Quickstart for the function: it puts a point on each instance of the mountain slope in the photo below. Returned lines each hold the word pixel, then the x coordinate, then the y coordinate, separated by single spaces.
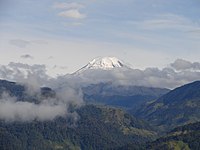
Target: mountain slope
pixel 98 127
pixel 178 107
pixel 184 137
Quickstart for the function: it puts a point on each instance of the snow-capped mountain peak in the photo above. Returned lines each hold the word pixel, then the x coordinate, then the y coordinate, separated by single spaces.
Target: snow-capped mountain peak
pixel 104 63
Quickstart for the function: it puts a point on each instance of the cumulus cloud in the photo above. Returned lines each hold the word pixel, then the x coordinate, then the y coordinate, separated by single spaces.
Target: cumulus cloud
pixel 70 10
pixel 26 56
pixel 72 13
pixel 31 76
pixel 181 64
pixel 20 71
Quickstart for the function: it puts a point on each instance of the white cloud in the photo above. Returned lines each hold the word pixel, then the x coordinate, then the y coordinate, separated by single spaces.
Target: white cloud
pixel 72 13
pixel 12 109
pixel 181 64
pixel 70 10
pixel 26 111
pixel 33 76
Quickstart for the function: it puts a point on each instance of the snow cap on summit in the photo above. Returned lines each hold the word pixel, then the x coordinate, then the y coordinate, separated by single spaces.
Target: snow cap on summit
pixel 104 63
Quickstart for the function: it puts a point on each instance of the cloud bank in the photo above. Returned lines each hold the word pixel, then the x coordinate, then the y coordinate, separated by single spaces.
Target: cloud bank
pixel 176 74
pixel 13 110
pixel 33 77
pixel 181 64
pixel 68 87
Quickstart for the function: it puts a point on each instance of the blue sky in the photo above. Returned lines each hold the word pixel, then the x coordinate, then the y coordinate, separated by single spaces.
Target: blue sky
pixel 67 33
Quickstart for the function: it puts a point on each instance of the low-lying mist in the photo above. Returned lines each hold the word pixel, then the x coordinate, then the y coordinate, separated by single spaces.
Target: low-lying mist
pixel 45 108
pixel 13 109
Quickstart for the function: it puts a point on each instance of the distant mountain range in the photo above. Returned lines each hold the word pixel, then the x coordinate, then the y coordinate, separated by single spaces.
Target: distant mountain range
pixel 120 95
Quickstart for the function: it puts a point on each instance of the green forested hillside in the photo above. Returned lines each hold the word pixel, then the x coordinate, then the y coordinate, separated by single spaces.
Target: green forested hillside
pixel 184 137
pixel 178 107
pixel 103 127
pixel 97 128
